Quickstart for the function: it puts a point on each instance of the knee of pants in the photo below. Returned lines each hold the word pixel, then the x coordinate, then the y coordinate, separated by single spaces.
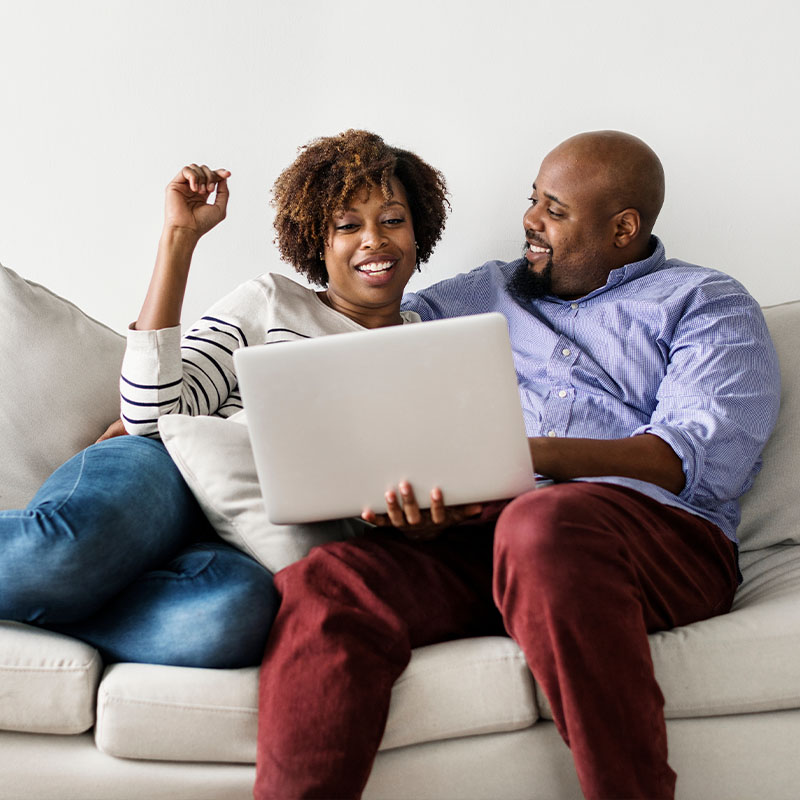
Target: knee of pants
pixel 231 596
pixel 104 517
pixel 548 535
pixel 336 571
pixel 211 606
pixel 316 574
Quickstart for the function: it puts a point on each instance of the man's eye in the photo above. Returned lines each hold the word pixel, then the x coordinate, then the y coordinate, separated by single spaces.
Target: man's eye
pixel 554 214
pixel 532 201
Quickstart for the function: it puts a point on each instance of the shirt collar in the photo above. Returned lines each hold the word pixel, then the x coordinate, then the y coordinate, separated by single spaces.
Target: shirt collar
pixel 627 273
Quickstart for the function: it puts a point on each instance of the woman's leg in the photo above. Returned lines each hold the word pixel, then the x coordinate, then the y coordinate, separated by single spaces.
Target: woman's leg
pixel 211 606
pixel 102 519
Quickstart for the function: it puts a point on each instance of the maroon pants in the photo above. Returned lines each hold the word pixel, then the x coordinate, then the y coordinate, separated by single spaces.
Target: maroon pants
pixel 582 572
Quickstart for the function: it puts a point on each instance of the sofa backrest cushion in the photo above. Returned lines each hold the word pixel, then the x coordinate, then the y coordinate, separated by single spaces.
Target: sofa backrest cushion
pixel 771 509
pixel 60 384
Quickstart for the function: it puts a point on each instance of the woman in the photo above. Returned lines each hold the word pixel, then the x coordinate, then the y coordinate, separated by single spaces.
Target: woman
pixel 87 556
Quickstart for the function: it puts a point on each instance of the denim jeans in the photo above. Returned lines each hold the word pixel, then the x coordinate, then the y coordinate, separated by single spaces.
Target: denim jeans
pixel 114 550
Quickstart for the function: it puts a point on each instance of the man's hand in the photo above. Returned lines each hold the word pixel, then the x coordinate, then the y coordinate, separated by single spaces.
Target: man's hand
pixel 416 523
pixel 116 428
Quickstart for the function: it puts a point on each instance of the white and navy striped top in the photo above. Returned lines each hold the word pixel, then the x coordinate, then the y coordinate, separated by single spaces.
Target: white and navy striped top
pixel 164 373
pixel 665 347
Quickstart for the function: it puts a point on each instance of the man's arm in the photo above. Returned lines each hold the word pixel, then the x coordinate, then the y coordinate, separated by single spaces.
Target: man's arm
pixel 646 457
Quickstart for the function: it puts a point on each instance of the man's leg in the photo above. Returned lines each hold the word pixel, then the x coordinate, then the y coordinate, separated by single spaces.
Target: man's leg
pixel 350 614
pixel 583 571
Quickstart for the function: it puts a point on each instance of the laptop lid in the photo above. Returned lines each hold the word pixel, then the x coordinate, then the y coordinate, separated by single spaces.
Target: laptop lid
pixel 335 421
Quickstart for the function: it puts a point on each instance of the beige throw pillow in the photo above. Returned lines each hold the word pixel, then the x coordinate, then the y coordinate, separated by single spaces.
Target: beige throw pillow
pixel 215 459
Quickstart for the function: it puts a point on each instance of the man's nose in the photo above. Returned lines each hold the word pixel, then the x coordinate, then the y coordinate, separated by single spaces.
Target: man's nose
pixel 532 219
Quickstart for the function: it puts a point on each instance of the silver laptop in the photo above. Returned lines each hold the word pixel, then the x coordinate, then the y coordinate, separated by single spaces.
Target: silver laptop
pixel 336 421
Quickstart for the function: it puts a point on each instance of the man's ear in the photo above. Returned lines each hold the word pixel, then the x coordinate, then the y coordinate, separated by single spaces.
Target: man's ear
pixel 627 226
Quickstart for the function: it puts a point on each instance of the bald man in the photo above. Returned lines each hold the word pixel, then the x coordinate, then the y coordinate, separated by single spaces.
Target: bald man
pixel 649 387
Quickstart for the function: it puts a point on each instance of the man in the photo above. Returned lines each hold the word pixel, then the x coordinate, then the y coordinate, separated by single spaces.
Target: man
pixel 649 388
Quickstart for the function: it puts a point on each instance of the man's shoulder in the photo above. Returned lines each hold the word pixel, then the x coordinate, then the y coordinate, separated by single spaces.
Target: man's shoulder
pixel 480 289
pixel 701 283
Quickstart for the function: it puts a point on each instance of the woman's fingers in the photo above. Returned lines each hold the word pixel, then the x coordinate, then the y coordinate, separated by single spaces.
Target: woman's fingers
pixel 201 179
pixel 393 510
pixel 438 510
pixel 410 506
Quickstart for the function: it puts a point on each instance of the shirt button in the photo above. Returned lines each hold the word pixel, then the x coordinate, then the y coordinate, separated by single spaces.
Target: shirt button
pixel 565 351
pixel 562 393
pixel 573 306
pixel 551 434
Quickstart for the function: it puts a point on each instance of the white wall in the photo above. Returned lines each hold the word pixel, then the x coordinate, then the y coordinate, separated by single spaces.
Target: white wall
pixel 102 101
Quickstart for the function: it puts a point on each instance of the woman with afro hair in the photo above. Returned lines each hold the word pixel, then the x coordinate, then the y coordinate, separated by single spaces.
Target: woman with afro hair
pixel 114 548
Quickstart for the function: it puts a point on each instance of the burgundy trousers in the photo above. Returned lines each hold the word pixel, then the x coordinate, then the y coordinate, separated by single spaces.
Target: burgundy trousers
pixel 577 573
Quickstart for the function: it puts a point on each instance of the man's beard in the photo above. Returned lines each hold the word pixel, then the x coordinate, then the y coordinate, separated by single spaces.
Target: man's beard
pixel 526 285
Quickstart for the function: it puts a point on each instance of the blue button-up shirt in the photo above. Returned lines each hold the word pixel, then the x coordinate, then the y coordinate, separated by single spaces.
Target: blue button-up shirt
pixel 664 347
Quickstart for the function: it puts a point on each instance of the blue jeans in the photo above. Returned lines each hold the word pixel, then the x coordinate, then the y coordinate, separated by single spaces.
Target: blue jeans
pixel 114 550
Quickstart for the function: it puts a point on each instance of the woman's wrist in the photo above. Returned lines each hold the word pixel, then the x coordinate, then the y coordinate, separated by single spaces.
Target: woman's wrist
pixel 178 240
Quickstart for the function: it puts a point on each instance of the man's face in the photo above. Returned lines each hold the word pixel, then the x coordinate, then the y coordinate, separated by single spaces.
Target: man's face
pixel 569 240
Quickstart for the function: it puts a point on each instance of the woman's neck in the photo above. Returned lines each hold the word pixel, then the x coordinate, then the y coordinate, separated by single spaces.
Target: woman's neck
pixel 367 317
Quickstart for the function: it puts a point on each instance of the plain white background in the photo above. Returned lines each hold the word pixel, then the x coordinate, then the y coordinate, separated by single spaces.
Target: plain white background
pixel 101 102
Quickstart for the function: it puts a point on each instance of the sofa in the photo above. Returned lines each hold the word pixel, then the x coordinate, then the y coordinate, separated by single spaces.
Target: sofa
pixel 467 720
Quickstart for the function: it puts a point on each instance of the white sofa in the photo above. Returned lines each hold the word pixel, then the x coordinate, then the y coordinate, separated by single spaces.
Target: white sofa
pixel 466 721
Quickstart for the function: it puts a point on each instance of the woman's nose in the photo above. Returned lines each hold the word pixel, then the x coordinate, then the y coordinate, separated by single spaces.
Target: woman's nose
pixel 372 236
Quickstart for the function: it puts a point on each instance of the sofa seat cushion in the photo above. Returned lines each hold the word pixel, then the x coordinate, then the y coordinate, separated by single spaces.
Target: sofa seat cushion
pixel 48 682
pixel 449 690
pixel 742 662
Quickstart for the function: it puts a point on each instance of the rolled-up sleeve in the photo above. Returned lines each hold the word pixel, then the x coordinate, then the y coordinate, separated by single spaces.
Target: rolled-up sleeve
pixel 718 401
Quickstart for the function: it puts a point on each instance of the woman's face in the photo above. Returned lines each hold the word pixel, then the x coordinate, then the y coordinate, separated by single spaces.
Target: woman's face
pixel 370 252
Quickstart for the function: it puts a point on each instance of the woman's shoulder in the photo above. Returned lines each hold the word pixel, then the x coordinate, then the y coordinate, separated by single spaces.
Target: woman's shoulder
pixel 277 285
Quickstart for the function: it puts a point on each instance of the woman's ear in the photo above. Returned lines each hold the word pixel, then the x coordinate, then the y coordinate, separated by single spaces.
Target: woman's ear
pixel 627 225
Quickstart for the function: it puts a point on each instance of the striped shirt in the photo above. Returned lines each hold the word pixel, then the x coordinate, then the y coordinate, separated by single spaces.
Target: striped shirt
pixel 664 347
pixel 164 373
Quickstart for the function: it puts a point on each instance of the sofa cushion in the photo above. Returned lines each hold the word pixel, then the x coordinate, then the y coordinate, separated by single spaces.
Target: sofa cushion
pixel 448 690
pixel 60 373
pixel 215 459
pixel 48 682
pixel 770 510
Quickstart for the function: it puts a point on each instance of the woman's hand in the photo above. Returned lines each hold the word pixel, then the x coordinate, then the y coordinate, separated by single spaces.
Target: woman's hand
pixel 187 216
pixel 187 207
pixel 413 521
pixel 116 428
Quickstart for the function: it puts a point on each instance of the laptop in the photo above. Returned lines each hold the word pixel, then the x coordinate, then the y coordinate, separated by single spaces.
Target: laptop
pixel 338 420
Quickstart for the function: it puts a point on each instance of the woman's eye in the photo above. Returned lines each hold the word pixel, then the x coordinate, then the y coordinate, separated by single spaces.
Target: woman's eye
pixel 394 221
pixel 346 226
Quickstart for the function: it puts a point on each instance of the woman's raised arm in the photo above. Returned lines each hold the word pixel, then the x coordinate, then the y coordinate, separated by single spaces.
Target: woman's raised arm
pixel 187 216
